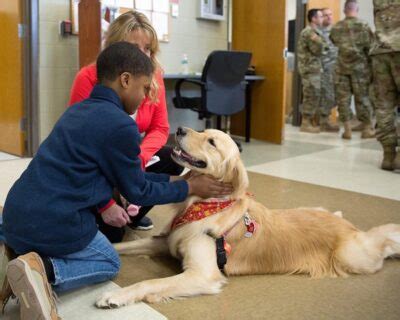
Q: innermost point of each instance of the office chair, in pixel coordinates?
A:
(222, 86)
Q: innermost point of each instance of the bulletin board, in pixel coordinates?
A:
(157, 11)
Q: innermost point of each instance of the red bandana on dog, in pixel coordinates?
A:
(200, 210)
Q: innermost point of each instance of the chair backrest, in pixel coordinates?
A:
(225, 90)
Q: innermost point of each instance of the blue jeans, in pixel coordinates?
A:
(98, 262)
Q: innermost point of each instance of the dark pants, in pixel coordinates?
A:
(165, 165)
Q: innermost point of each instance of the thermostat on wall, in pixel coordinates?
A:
(212, 10)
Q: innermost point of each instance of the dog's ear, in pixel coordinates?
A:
(236, 174)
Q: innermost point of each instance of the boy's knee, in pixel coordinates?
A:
(115, 263)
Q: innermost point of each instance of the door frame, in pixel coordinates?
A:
(30, 125)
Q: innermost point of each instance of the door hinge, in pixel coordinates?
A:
(21, 30)
(24, 124)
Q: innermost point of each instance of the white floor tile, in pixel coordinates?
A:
(344, 168)
(7, 156)
(79, 304)
(10, 171)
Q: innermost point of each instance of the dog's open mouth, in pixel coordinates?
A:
(182, 155)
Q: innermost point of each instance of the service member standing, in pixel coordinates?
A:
(353, 37)
(328, 101)
(386, 78)
(310, 48)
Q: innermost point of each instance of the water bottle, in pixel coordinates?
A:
(185, 64)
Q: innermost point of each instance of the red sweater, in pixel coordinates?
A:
(151, 118)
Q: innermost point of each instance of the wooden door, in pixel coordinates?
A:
(260, 26)
(334, 5)
(12, 138)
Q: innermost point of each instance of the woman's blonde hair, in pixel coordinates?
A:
(119, 30)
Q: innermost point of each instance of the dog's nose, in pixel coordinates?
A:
(180, 132)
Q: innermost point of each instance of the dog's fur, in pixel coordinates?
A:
(312, 241)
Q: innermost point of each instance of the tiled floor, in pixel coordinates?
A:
(321, 159)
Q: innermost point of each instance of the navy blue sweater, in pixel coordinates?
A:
(93, 147)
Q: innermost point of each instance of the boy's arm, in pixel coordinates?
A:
(122, 167)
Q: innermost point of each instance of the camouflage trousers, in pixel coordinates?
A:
(386, 84)
(328, 100)
(311, 93)
(347, 85)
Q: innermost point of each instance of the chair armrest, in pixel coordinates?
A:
(178, 86)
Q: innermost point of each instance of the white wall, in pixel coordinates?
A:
(58, 58)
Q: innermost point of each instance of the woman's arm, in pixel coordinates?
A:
(157, 133)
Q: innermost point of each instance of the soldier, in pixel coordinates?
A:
(327, 84)
(386, 78)
(353, 37)
(310, 48)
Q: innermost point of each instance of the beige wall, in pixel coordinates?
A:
(58, 56)
(195, 37)
(366, 11)
(58, 63)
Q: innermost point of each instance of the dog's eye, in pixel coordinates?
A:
(212, 142)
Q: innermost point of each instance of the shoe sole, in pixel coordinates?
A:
(20, 279)
(144, 228)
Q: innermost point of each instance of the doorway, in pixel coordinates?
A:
(19, 77)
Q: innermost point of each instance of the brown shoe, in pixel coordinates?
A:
(6, 293)
(347, 131)
(396, 161)
(356, 125)
(306, 126)
(329, 127)
(28, 280)
(367, 131)
(389, 154)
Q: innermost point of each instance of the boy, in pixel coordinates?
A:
(50, 212)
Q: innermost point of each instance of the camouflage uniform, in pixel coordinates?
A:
(327, 81)
(353, 37)
(310, 48)
(385, 56)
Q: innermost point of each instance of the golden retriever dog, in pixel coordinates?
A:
(310, 241)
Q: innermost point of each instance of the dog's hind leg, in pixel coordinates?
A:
(201, 276)
(153, 246)
(365, 252)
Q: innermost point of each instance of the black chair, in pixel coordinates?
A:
(222, 85)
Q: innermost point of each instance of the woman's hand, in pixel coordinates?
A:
(115, 216)
(208, 187)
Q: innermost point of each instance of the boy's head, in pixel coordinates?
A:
(125, 68)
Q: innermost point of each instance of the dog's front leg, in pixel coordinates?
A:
(224, 221)
(152, 246)
(201, 276)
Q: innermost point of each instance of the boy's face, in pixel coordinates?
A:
(133, 91)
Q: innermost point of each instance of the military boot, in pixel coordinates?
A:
(347, 130)
(327, 126)
(367, 131)
(306, 126)
(356, 125)
(396, 162)
(389, 154)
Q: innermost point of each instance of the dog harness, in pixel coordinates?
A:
(203, 209)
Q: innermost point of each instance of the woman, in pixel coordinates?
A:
(151, 117)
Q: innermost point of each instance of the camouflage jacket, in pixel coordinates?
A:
(310, 48)
(353, 37)
(387, 23)
(329, 59)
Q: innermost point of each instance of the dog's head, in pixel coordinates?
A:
(211, 152)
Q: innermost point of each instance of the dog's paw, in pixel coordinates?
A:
(113, 299)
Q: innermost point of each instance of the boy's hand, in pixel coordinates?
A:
(115, 216)
(207, 187)
(133, 210)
